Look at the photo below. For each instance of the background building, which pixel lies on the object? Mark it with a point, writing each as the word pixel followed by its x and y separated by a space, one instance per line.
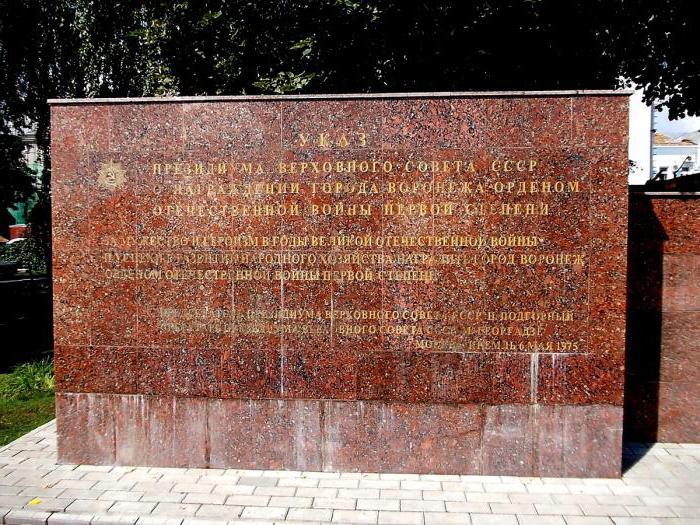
pixel 673 157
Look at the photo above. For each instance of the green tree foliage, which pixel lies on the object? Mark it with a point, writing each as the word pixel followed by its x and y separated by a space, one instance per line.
pixel 98 48
pixel 17 179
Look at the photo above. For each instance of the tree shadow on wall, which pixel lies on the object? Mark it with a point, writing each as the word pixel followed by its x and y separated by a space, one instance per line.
pixel 645 253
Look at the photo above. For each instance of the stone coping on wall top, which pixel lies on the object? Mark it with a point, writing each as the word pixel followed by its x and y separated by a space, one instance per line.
pixel 642 189
pixel 342 96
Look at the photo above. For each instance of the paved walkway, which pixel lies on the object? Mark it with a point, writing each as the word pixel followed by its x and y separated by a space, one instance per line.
pixel 662 485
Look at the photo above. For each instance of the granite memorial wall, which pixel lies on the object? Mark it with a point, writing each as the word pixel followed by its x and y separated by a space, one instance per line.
pixel 662 390
pixel 395 283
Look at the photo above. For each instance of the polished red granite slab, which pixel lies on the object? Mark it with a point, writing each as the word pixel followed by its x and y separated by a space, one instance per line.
pixel 662 398
pixel 428 283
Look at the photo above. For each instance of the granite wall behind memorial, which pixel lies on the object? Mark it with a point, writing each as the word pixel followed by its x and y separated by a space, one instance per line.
pixel 662 400
pixel 375 283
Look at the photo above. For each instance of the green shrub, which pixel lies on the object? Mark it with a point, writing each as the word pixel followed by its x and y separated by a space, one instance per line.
pixel 27 253
pixel 28 379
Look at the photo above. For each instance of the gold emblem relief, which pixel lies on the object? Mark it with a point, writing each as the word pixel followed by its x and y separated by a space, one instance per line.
pixel 111 175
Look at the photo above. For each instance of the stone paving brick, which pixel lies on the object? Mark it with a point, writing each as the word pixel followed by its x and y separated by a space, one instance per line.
pixel 174 479
pixel 513 508
pixel 569 510
pixel 494 519
pixel 276 491
pixel 219 511
pixel 339 483
pixel 540 520
pixel 378 504
pixel 399 477
pixel 234 489
pixel 114 519
pixel 547 488
pixel 633 490
pixel 313 492
pixel 437 518
pixel 401 518
pixel 212 521
pixel 604 510
pixel 587 520
pixel 153 486
pixel 464 507
pixel 533 498
pixel 94 468
pixel 97 476
pixel 505 487
pixel 481 479
pixel 132 507
pixel 320 515
pixel 401 494
pixel 687 512
pixel 495 497
pixel 192 487
pixel 14 501
pixel 257 481
pixel 379 484
pixel 61 475
pixel 114 485
pixel 322 475
pixel 354 516
pixel 370 475
pixel 49 504
pixel 298 482
pixel 420 485
pixel 141 477
pixel 577 499
pixel 440 477
pixel 168 497
pixel 80 494
pixel 659 500
pixel 176 509
pixel 158 520
pixel 463 486
pixel 26 517
pixel 334 503
pixel 290 501
pixel 358 493
pixel 282 474
pixel 121 495
pixel 245 501
pixel 209 499
pixel 616 500
pixel 89 506
pixel 64 518
pixel 274 513
pixel 444 495
pixel 416 505
pixel 651 511
pixel 40 491
pixel 637 521
pixel 589 489
pixel 75 484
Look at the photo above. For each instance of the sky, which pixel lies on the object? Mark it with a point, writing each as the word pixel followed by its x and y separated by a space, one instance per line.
pixel 675 127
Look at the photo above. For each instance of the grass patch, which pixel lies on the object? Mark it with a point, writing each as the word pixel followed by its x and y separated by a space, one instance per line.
pixel 28 380
pixel 26 399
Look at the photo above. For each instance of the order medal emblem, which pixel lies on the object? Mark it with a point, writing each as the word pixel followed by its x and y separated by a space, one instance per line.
pixel 112 175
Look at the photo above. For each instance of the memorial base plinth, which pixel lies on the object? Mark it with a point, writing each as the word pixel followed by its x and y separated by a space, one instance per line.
pixel 326 435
